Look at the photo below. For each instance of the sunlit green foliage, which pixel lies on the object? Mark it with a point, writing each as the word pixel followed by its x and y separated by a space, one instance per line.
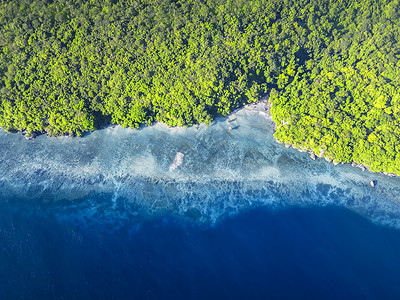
pixel 71 65
pixel 332 66
pixel 345 101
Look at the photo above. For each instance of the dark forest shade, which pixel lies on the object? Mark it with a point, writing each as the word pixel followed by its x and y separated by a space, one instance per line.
pixel 67 67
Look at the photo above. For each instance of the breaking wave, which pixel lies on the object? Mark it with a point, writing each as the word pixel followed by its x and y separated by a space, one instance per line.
pixel 115 175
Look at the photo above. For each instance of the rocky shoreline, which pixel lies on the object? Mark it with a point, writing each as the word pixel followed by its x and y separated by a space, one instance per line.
pixel 313 156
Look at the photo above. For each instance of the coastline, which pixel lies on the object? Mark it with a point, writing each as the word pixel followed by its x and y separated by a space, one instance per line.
pixel 263 99
pixel 158 169
pixel 313 156
pixel 267 110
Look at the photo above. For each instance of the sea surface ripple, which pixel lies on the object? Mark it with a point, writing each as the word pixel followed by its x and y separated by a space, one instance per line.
pixel 201 173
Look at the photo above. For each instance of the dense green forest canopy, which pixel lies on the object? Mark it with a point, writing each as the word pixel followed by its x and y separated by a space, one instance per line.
pixel 332 68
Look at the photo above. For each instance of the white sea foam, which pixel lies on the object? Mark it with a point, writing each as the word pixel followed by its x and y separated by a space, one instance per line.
pixel 203 174
pixel 178 160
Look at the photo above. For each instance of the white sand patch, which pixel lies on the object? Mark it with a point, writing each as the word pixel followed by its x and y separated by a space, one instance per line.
pixel 178 160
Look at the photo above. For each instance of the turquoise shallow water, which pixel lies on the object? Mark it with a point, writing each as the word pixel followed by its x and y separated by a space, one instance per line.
pixel 186 212
pixel 203 174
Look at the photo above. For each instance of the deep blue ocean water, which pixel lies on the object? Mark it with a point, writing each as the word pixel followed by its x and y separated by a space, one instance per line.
pixel 319 253
pixel 206 213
